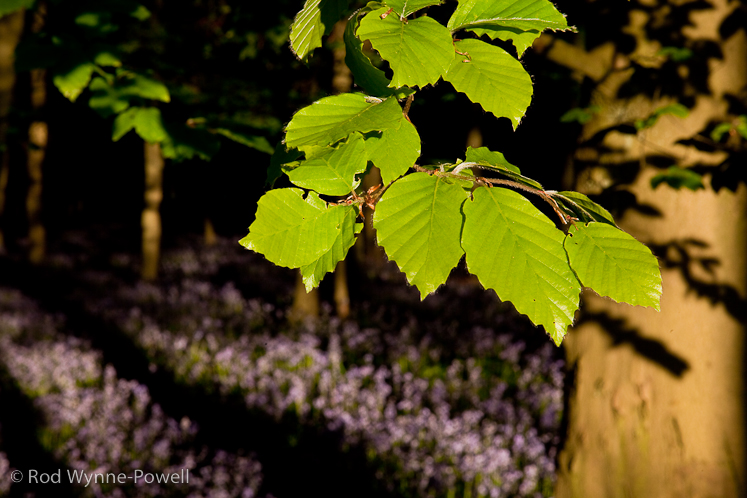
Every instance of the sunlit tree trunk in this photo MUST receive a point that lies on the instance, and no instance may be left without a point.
(210, 238)
(151, 216)
(657, 403)
(11, 27)
(37, 147)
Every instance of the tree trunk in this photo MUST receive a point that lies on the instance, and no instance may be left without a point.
(151, 217)
(11, 27)
(37, 148)
(656, 407)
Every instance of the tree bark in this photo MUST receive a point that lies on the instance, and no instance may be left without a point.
(151, 216)
(657, 403)
(11, 27)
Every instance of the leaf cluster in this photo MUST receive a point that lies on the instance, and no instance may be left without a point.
(428, 217)
(87, 48)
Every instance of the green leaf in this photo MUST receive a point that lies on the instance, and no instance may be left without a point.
(581, 207)
(72, 82)
(254, 141)
(405, 140)
(614, 264)
(366, 75)
(294, 232)
(333, 173)
(145, 120)
(494, 161)
(483, 154)
(418, 222)
(580, 115)
(492, 78)
(105, 99)
(404, 8)
(140, 13)
(124, 122)
(108, 99)
(10, 6)
(332, 118)
(183, 142)
(418, 51)
(676, 54)
(149, 126)
(515, 250)
(315, 20)
(519, 20)
(312, 274)
(720, 130)
(678, 110)
(107, 58)
(678, 178)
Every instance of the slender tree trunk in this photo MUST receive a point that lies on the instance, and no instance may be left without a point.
(210, 238)
(151, 217)
(657, 406)
(37, 147)
(11, 27)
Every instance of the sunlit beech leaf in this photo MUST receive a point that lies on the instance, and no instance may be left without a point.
(333, 118)
(292, 231)
(519, 20)
(405, 140)
(404, 8)
(315, 20)
(517, 251)
(614, 264)
(419, 51)
(313, 273)
(333, 173)
(365, 74)
(418, 222)
(492, 78)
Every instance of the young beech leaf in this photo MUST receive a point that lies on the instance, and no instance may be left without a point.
(333, 173)
(366, 75)
(614, 264)
(519, 20)
(419, 51)
(583, 208)
(492, 78)
(332, 118)
(404, 8)
(313, 273)
(315, 20)
(418, 222)
(405, 140)
(294, 232)
(516, 250)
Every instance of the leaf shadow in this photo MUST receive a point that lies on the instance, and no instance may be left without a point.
(680, 255)
(622, 333)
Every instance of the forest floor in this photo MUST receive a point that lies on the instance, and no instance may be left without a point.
(454, 396)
